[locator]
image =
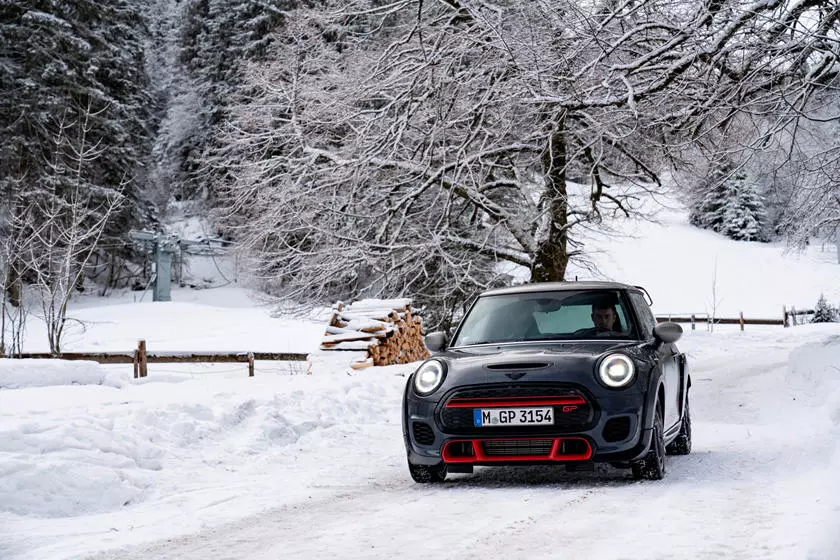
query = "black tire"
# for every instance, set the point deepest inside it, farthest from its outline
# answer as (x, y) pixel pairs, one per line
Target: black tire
(652, 467)
(682, 445)
(427, 474)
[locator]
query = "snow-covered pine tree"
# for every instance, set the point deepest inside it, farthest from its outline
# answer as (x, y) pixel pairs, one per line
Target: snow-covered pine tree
(743, 214)
(218, 39)
(824, 312)
(728, 202)
(709, 198)
(70, 68)
(117, 32)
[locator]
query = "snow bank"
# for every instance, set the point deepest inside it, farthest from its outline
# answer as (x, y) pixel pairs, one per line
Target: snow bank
(16, 374)
(814, 369)
(49, 470)
(75, 451)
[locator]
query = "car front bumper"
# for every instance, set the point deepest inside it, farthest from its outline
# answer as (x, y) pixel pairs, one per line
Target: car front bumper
(613, 432)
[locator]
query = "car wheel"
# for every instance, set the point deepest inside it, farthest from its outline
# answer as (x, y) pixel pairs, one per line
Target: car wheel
(652, 467)
(682, 445)
(426, 474)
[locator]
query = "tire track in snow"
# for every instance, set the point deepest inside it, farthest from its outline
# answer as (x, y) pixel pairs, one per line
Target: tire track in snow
(379, 520)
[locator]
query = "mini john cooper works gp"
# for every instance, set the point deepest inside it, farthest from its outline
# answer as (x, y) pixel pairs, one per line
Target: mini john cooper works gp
(557, 373)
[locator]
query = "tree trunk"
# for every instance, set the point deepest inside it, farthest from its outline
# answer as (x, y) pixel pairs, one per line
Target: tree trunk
(13, 284)
(3, 323)
(552, 256)
(837, 241)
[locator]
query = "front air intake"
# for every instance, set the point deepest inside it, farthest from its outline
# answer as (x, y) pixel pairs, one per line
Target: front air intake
(512, 450)
(617, 429)
(508, 447)
(423, 433)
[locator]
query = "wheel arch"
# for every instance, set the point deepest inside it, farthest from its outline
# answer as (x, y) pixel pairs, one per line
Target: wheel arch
(660, 398)
(655, 394)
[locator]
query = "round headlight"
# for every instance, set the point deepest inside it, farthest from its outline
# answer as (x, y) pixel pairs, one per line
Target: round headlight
(429, 377)
(616, 370)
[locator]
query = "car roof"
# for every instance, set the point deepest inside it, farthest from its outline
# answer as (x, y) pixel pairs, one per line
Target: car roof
(559, 287)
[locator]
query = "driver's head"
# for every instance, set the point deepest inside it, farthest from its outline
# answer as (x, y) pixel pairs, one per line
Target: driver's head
(604, 316)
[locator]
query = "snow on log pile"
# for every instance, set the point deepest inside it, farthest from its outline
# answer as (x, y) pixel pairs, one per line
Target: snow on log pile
(388, 329)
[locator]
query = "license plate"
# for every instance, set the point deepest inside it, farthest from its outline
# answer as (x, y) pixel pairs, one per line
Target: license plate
(485, 417)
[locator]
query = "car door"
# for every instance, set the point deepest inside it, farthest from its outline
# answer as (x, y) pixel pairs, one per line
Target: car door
(668, 358)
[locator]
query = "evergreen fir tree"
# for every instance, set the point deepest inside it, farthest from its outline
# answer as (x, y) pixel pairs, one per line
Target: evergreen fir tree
(729, 203)
(824, 312)
(709, 198)
(219, 38)
(743, 214)
(71, 68)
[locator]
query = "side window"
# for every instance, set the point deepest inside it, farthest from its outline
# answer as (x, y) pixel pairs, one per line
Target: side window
(646, 318)
(623, 323)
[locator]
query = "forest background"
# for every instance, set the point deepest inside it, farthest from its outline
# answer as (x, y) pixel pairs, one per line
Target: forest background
(413, 148)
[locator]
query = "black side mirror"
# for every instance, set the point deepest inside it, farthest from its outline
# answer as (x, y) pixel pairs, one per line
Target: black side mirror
(436, 341)
(667, 332)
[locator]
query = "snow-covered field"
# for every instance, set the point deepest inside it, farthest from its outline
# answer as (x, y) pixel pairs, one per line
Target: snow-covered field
(202, 462)
(680, 265)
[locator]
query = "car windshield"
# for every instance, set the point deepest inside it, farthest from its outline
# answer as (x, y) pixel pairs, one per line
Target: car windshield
(561, 315)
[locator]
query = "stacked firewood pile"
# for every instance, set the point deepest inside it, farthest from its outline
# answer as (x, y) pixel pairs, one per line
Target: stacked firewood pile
(388, 331)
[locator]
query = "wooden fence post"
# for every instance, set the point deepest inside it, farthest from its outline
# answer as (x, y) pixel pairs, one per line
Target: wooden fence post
(693, 324)
(741, 319)
(141, 350)
(793, 315)
(785, 316)
(136, 363)
(250, 364)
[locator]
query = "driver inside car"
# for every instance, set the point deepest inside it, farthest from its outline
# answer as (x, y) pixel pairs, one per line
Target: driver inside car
(605, 317)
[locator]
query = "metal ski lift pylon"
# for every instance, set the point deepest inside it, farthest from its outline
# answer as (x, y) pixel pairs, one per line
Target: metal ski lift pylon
(164, 246)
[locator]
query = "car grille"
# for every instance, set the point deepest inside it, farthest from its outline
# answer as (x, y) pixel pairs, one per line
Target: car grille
(513, 391)
(457, 418)
(423, 433)
(508, 447)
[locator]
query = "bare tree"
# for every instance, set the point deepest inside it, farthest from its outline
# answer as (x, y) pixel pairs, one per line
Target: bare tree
(809, 188)
(62, 229)
(715, 302)
(14, 306)
(421, 139)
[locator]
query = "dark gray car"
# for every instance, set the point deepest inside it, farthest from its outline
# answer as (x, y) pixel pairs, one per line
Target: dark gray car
(557, 373)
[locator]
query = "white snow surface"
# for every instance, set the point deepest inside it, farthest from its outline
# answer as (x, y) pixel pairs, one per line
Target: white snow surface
(15, 374)
(306, 460)
(284, 464)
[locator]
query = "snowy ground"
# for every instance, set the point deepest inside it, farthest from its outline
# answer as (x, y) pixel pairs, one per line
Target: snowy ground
(206, 465)
(199, 461)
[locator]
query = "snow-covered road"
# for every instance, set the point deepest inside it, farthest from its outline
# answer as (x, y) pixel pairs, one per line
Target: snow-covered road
(762, 482)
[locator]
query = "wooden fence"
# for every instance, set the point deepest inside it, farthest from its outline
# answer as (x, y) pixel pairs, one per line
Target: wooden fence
(141, 358)
(792, 314)
(789, 318)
